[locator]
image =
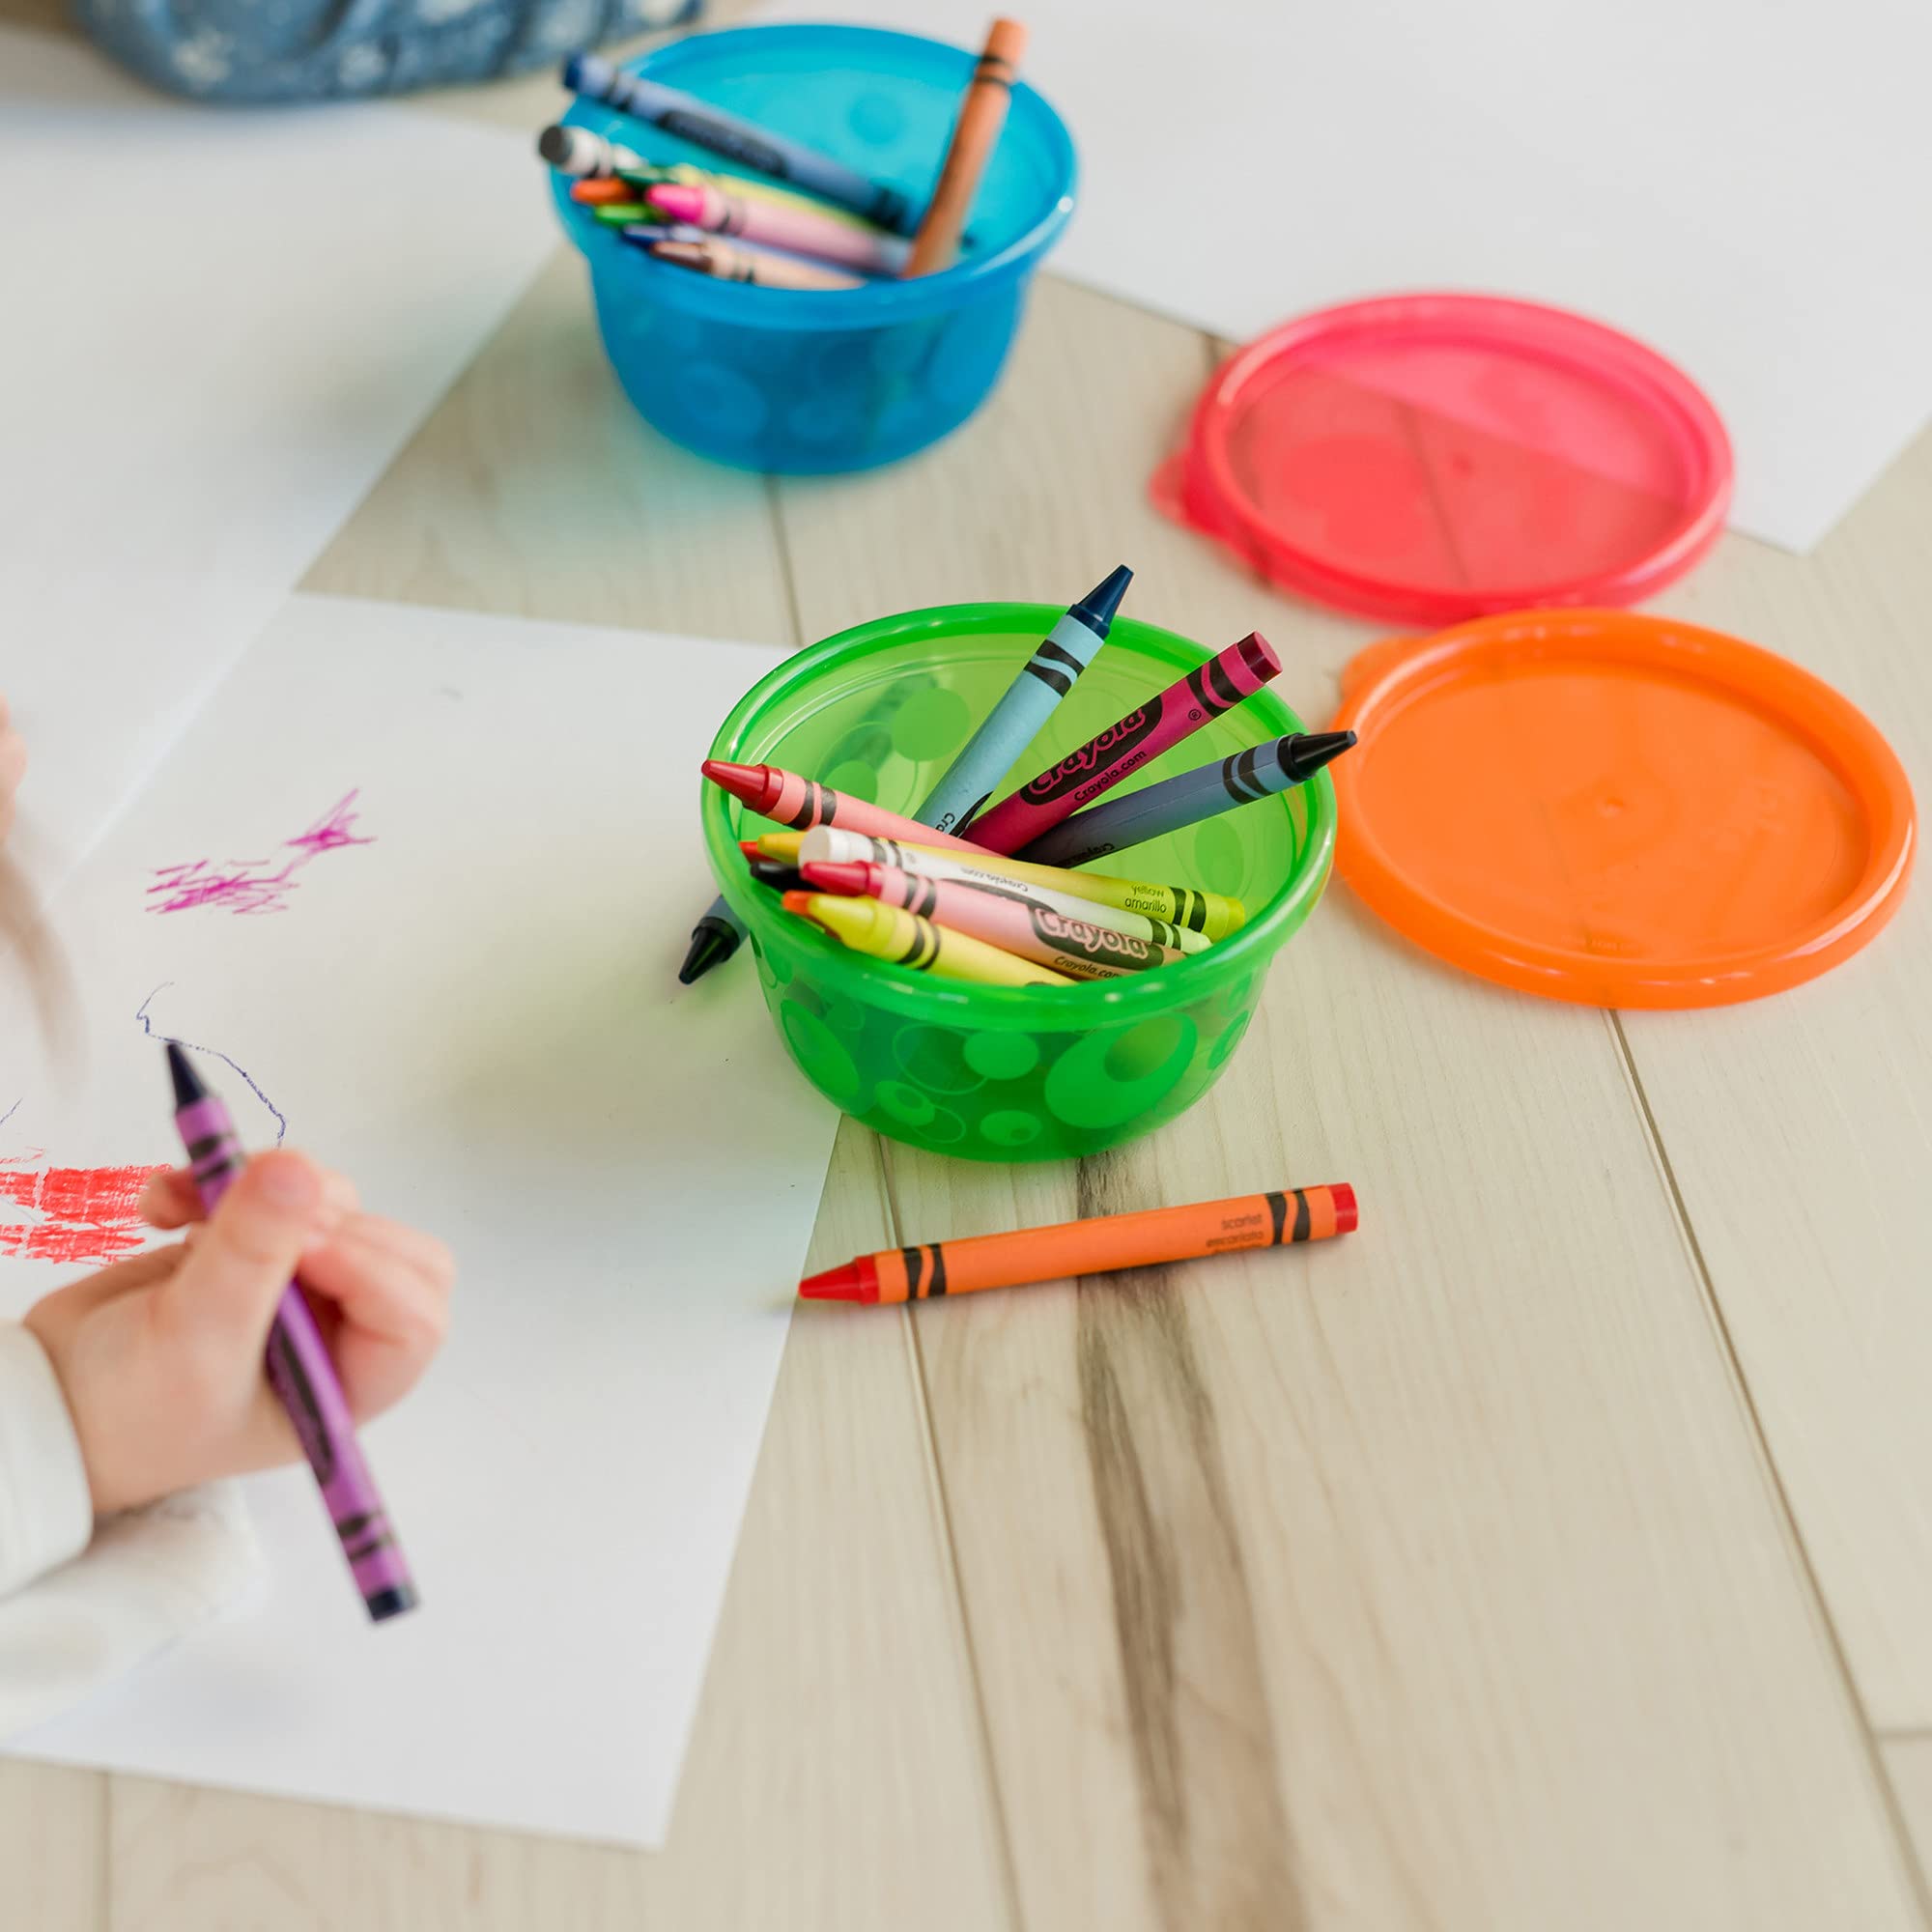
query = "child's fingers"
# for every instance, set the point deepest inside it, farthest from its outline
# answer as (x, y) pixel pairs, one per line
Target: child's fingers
(79, 1298)
(170, 1200)
(393, 1294)
(235, 1274)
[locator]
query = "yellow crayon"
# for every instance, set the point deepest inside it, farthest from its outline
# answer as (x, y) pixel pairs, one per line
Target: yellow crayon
(1209, 914)
(889, 932)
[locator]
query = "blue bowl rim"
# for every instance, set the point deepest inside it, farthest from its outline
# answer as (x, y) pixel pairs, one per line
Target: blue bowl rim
(1091, 1003)
(878, 302)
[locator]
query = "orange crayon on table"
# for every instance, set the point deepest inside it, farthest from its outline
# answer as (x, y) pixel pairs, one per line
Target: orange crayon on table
(772, 792)
(1073, 1248)
(982, 113)
(901, 938)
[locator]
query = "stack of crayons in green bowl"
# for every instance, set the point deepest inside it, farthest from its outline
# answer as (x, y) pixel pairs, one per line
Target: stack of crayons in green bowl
(986, 892)
(831, 229)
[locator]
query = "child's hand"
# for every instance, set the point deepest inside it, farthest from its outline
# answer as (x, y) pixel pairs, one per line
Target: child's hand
(12, 763)
(160, 1357)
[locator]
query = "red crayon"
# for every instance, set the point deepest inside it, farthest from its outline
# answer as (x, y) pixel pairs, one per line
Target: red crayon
(772, 792)
(1123, 748)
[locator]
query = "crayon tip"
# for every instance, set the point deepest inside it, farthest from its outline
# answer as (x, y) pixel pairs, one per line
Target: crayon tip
(798, 902)
(840, 1284)
(713, 941)
(680, 203)
(1096, 609)
(1305, 753)
(822, 875)
(745, 783)
(1345, 1216)
(188, 1083)
(554, 145)
(750, 848)
(586, 73)
(775, 873)
(392, 1601)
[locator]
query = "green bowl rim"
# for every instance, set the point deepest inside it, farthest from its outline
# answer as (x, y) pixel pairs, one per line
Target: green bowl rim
(1092, 1002)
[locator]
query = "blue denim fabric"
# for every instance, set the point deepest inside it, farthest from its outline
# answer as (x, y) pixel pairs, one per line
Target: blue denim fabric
(324, 49)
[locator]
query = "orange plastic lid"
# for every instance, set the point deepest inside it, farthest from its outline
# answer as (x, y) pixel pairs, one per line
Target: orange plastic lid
(1617, 810)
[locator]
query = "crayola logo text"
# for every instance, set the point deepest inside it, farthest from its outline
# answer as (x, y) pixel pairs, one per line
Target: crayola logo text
(1098, 754)
(1075, 935)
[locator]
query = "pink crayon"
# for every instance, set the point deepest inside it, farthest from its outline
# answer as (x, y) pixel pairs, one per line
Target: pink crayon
(778, 226)
(1123, 748)
(1011, 920)
(801, 804)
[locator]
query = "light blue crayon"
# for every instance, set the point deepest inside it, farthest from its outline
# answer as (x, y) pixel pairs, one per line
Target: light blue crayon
(1009, 728)
(1117, 822)
(690, 118)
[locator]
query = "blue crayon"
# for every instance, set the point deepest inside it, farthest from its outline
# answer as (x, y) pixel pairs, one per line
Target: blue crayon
(1009, 728)
(1117, 822)
(745, 142)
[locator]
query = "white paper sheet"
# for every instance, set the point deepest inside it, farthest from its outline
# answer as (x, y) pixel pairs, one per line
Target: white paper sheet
(1747, 187)
(218, 327)
(475, 1014)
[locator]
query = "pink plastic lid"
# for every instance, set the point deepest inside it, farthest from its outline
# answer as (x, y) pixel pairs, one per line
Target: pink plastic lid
(1437, 457)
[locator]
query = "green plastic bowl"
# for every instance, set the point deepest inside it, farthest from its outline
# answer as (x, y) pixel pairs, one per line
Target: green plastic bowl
(1002, 1072)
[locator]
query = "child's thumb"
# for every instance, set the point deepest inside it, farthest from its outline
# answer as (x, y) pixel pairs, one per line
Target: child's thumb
(242, 1259)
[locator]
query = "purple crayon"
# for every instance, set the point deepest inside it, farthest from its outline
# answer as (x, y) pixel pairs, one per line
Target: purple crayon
(300, 1372)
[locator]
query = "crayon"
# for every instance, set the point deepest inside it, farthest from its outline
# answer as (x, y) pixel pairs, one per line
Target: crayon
(596, 190)
(624, 213)
(645, 236)
(300, 1370)
(577, 151)
(869, 742)
(655, 174)
(763, 266)
(781, 878)
(1070, 944)
(1118, 822)
(1100, 1247)
(1009, 727)
(1198, 917)
(982, 113)
(1147, 730)
(791, 229)
(689, 119)
(889, 855)
(903, 939)
(798, 803)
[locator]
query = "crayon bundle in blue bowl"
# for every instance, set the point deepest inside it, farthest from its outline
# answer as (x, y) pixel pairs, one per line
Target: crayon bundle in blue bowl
(810, 380)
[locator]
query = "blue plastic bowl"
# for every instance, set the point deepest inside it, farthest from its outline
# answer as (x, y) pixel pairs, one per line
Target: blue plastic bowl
(809, 382)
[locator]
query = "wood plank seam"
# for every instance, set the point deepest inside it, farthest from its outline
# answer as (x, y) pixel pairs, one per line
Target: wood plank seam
(1922, 1882)
(1009, 1881)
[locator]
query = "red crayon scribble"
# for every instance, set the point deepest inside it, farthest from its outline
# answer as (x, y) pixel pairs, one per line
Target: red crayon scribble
(247, 884)
(88, 1213)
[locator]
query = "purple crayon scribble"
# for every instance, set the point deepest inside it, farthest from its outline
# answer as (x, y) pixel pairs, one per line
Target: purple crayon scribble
(215, 1052)
(11, 1111)
(247, 884)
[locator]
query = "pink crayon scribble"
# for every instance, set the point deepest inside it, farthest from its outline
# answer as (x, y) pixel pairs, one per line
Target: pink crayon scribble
(247, 884)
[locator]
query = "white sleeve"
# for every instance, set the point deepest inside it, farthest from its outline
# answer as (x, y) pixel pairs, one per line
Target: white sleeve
(75, 1614)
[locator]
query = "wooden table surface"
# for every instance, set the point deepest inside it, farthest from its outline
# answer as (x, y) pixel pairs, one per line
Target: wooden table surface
(1554, 1553)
